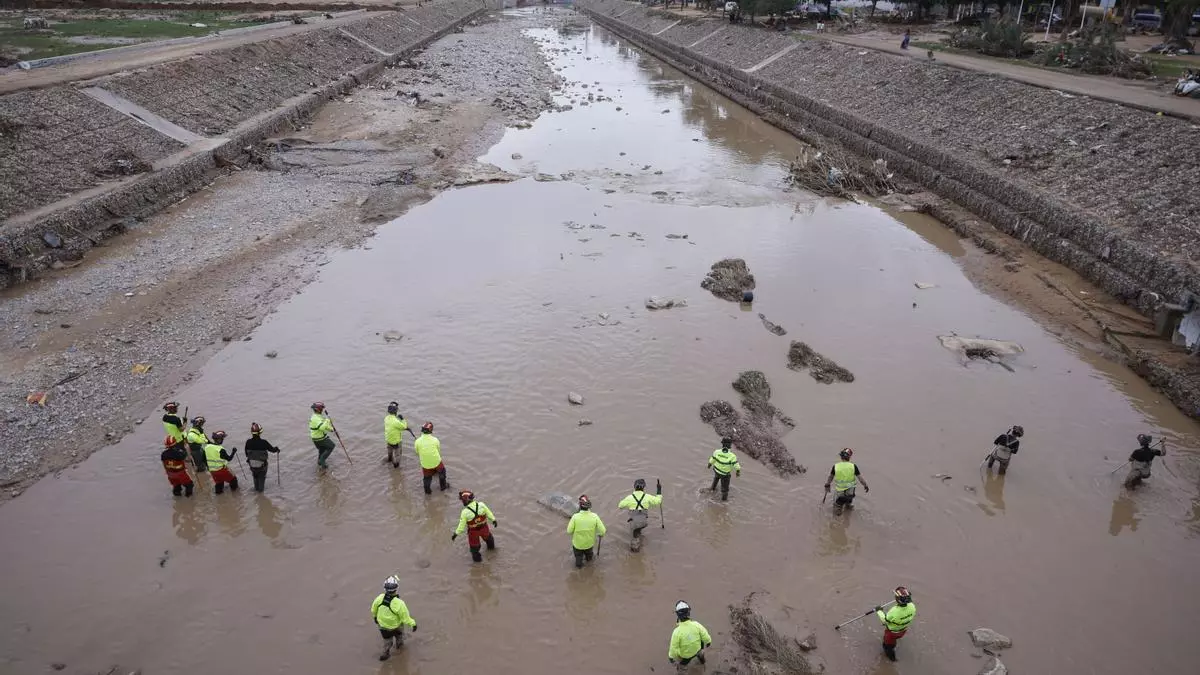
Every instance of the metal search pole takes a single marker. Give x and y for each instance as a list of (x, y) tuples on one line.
[(869, 612)]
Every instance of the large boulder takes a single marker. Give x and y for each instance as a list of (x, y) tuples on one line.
[(986, 638), (560, 503)]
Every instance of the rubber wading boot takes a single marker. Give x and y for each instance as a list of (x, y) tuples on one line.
[(476, 555), (387, 650), (890, 651), (399, 639)]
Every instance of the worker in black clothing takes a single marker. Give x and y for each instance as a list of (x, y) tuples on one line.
[(1005, 446), (257, 448), (1141, 459)]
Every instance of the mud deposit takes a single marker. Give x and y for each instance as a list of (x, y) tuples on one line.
[(728, 279), (503, 311), (758, 431), (824, 370)]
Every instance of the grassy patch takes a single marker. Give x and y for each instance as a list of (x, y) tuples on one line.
[(1164, 66), (1170, 66), (44, 44)]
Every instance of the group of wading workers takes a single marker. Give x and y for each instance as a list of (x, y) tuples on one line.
[(586, 529)]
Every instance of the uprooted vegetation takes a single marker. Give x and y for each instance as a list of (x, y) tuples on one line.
[(764, 650), (822, 368), (757, 432), (1094, 50), (833, 172), (993, 38)]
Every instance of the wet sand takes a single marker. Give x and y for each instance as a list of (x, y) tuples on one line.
[(499, 303)]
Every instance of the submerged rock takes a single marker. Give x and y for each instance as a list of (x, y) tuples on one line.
[(986, 638), (657, 302), (574, 399), (728, 279), (993, 667), (560, 502)]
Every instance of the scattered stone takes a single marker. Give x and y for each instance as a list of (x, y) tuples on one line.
[(986, 638), (574, 399), (439, 152), (772, 327), (676, 236), (544, 178), (585, 422), (993, 667), (808, 642), (271, 354), (52, 239), (657, 302), (573, 225), (1012, 266), (392, 336), (666, 110), (58, 666), (522, 125), (162, 560), (728, 279), (923, 286), (822, 369), (516, 155), (604, 316)]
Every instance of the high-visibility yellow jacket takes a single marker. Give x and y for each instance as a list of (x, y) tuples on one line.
[(474, 515), (173, 426), (197, 437), (640, 501), (215, 456), (584, 527), (688, 638), (429, 449), (844, 475), (391, 615), (319, 427), (898, 618), (723, 462), (393, 429)]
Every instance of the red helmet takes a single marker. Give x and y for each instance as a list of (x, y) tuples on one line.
[(427, 427), (171, 406), (255, 429), (584, 502), (466, 496), (318, 406)]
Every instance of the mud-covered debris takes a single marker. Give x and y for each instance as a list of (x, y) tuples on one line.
[(585, 422), (545, 178), (677, 236), (772, 327), (574, 399), (560, 502), (162, 559), (834, 172), (765, 646), (392, 336), (728, 279), (271, 354), (986, 638), (921, 285), (756, 432), (572, 225), (658, 302), (822, 369), (516, 155), (993, 666), (962, 344)]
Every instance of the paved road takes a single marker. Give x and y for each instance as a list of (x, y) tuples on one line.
[(106, 62), (1126, 92)]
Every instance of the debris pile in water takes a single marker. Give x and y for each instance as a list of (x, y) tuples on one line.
[(835, 173), (728, 278), (763, 647), (754, 433), (822, 369)]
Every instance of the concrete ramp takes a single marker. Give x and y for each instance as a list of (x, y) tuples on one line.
[(137, 112)]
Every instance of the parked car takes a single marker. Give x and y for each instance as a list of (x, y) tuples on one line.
[(1148, 20)]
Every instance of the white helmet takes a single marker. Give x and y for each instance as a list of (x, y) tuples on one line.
[(683, 610), (391, 583)]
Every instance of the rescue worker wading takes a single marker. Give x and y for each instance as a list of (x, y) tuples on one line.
[(844, 475), (394, 427), (218, 463), (474, 521), (688, 640), (585, 529), (196, 440), (257, 449), (319, 427), (1007, 445), (173, 424), (638, 502), (429, 450), (896, 620), (723, 463), (391, 615), (1140, 460), (174, 461)]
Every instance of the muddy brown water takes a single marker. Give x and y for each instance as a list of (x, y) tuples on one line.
[(499, 303)]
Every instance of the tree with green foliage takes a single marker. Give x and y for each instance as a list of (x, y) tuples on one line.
[(1177, 16)]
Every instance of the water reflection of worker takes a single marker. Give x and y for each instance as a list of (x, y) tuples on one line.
[(1124, 514), (187, 521), (993, 489), (268, 518)]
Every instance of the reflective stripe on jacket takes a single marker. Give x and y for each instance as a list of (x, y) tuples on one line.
[(898, 618), (724, 462), (843, 476), (688, 638)]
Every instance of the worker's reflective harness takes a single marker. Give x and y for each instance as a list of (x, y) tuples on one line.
[(387, 602), (478, 521), (638, 501)]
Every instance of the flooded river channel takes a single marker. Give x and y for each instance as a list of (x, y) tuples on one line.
[(500, 302)]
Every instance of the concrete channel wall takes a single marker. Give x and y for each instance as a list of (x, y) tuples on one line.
[(1099, 187), (61, 150)]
